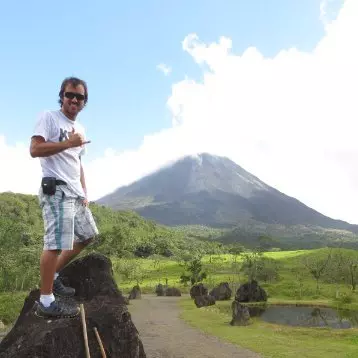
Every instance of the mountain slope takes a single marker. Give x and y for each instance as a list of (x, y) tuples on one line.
[(213, 191)]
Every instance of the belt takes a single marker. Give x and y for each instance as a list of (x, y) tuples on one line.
[(60, 182)]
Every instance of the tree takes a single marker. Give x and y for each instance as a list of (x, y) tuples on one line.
[(250, 264), (268, 270), (352, 269), (345, 269), (131, 270), (317, 266), (196, 275), (299, 275), (257, 267), (335, 272)]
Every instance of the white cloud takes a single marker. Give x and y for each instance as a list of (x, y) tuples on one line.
[(19, 172), (329, 11), (164, 68), (290, 119)]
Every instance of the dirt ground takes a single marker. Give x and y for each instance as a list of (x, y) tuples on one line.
[(165, 335)]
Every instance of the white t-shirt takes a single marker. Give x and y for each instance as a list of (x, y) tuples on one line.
[(54, 126)]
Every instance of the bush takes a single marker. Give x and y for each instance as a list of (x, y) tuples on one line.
[(144, 251), (344, 298)]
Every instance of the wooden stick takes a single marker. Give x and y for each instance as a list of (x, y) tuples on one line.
[(100, 343), (84, 327)]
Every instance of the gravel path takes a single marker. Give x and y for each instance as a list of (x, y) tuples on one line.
[(165, 335)]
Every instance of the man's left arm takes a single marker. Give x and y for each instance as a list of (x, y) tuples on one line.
[(83, 183)]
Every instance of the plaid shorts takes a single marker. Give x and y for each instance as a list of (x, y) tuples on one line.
[(66, 220)]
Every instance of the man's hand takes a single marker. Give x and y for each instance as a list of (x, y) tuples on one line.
[(76, 139), (85, 202)]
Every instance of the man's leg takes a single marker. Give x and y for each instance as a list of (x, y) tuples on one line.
[(48, 263), (84, 228), (67, 255), (49, 306), (58, 219)]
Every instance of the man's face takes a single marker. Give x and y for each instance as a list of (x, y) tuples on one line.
[(71, 105)]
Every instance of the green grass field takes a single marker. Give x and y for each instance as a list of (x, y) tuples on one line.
[(268, 339), (10, 306), (294, 283)]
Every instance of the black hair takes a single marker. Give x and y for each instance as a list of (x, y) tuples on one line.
[(74, 81)]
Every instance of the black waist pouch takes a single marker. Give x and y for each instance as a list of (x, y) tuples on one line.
[(48, 185)]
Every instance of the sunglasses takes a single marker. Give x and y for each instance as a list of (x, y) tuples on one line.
[(72, 95)]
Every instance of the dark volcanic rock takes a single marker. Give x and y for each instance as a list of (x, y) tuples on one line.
[(198, 290), (160, 290), (240, 314), (135, 293), (105, 309), (203, 301), (164, 290), (250, 292), (172, 291), (221, 292)]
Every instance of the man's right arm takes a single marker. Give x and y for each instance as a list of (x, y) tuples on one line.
[(40, 148)]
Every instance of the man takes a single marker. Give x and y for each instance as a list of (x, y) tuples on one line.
[(59, 141)]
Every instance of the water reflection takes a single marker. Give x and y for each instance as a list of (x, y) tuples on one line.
[(306, 316)]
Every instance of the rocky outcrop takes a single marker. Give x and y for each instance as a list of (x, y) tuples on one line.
[(160, 290), (135, 294), (172, 291), (105, 310), (240, 314), (203, 301), (164, 290), (250, 292), (221, 292), (198, 290)]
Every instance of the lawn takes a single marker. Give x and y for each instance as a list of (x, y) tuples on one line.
[(276, 341), (295, 282), (11, 305), (271, 340)]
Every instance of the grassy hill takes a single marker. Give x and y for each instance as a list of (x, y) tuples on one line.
[(122, 234), (288, 237)]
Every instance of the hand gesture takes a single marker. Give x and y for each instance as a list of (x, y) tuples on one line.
[(76, 139)]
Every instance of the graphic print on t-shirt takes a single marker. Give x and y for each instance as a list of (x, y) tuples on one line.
[(63, 135)]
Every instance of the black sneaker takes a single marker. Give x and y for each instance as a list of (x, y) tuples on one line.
[(57, 310), (59, 289)]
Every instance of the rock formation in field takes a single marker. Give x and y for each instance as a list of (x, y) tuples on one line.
[(164, 290), (198, 290), (250, 292), (240, 314), (203, 301), (221, 292), (105, 310), (173, 291), (160, 290), (135, 294)]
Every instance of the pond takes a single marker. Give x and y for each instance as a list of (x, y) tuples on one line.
[(306, 316)]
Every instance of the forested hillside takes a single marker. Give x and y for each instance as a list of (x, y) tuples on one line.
[(122, 234)]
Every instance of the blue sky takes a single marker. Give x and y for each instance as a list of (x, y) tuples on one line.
[(116, 45), (269, 84)]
